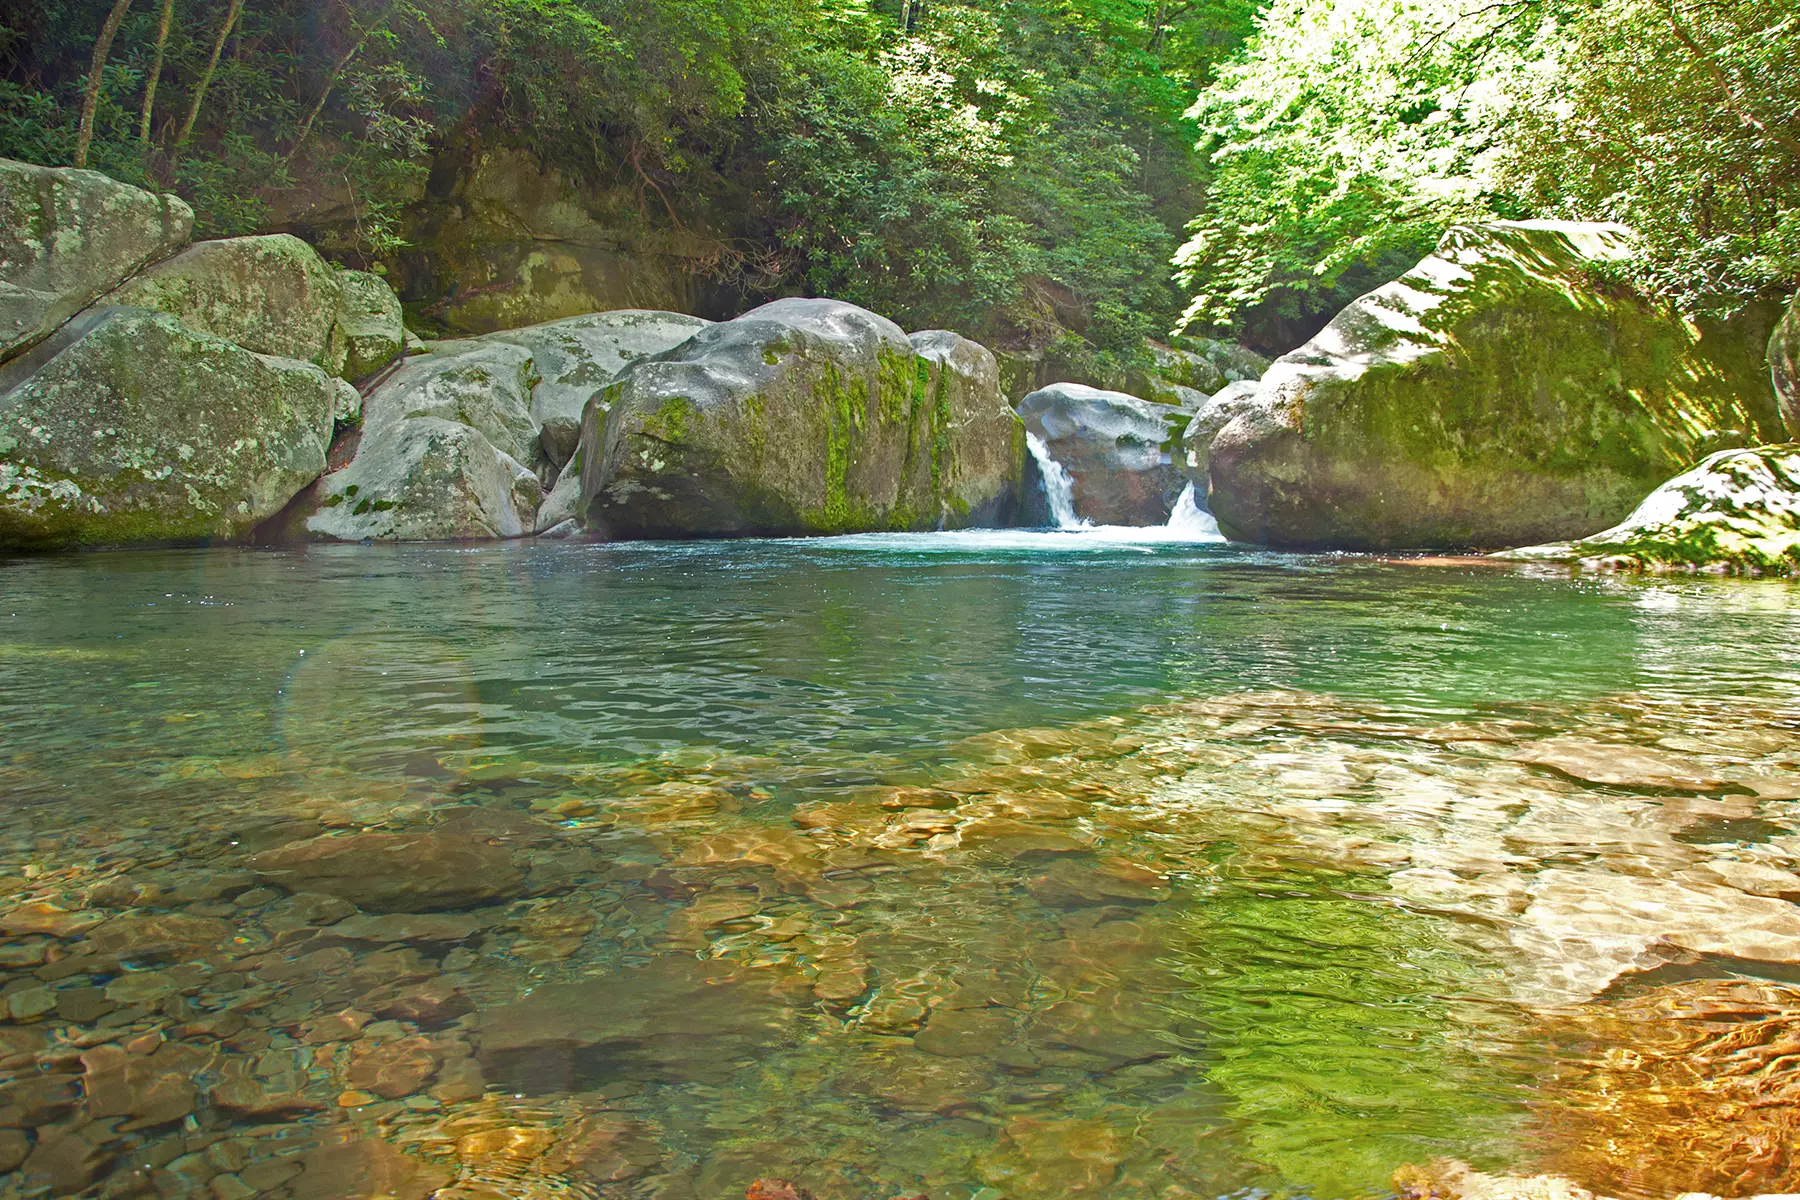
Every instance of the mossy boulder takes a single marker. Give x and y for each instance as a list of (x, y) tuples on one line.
[(800, 417), (577, 356), (1738, 511), (271, 294), (441, 455), (1504, 391), (1111, 445), (370, 328), (68, 236), (1784, 366), (128, 428)]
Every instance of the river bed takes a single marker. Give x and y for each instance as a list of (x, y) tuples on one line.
[(1024, 865)]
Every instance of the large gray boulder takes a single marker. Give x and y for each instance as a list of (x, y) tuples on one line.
[(577, 356), (442, 455), (271, 294), (1738, 511), (127, 428), (1784, 366), (800, 417), (1496, 394), (69, 236), (1111, 445), (370, 327)]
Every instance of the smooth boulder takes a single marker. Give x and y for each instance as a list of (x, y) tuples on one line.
[(577, 356), (271, 294), (128, 428), (1784, 366), (67, 237), (1499, 393), (443, 453), (1111, 445), (803, 416), (1738, 511)]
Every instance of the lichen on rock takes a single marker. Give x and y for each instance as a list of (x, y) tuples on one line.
[(67, 236), (1738, 511), (271, 294), (128, 428), (370, 329)]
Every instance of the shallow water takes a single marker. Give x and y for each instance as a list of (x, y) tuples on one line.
[(1083, 863)]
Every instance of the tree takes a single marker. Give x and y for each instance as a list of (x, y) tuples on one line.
[(90, 98)]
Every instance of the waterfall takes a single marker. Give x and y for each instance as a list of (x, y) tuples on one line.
[(1059, 489), (1189, 520)]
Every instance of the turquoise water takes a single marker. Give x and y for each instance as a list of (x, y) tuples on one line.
[(1047, 864)]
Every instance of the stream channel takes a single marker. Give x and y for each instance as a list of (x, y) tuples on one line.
[(1008, 864)]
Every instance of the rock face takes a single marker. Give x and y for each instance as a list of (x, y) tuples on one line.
[(800, 417), (67, 237), (1493, 395), (1111, 446), (1784, 366), (443, 453), (273, 295), (127, 428), (576, 357), (499, 242), (369, 323), (1739, 510)]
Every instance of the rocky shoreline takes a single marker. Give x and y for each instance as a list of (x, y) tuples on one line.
[(1501, 393)]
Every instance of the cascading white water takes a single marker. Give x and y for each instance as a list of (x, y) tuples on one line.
[(1059, 489), (1190, 521)]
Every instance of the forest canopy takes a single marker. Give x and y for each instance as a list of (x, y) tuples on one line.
[(1024, 170)]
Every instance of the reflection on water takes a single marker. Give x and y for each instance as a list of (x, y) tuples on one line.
[(961, 866)]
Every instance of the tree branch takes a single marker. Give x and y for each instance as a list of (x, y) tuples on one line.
[(1733, 101), (90, 99), (156, 65), (212, 64)]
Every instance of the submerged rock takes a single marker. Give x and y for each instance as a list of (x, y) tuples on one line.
[(271, 294), (1495, 394), (68, 236), (396, 872), (127, 428), (1111, 444), (1739, 510), (800, 417)]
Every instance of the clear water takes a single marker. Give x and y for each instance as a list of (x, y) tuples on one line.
[(1080, 863)]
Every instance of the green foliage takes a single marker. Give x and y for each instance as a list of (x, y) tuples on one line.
[(1683, 121), (1348, 134), (1017, 169)]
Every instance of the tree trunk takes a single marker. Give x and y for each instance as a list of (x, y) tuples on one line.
[(90, 99), (331, 79), (212, 64), (162, 43)]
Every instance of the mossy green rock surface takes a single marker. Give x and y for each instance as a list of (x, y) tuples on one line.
[(370, 328), (1499, 393), (271, 294), (67, 236), (801, 417), (1784, 366), (1739, 510), (441, 454), (128, 428)]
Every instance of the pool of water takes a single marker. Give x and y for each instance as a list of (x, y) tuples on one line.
[(1010, 864)]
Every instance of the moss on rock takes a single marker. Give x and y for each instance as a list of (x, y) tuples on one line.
[(800, 417), (1500, 392), (271, 294), (370, 332), (1738, 511), (1784, 365), (127, 428)]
